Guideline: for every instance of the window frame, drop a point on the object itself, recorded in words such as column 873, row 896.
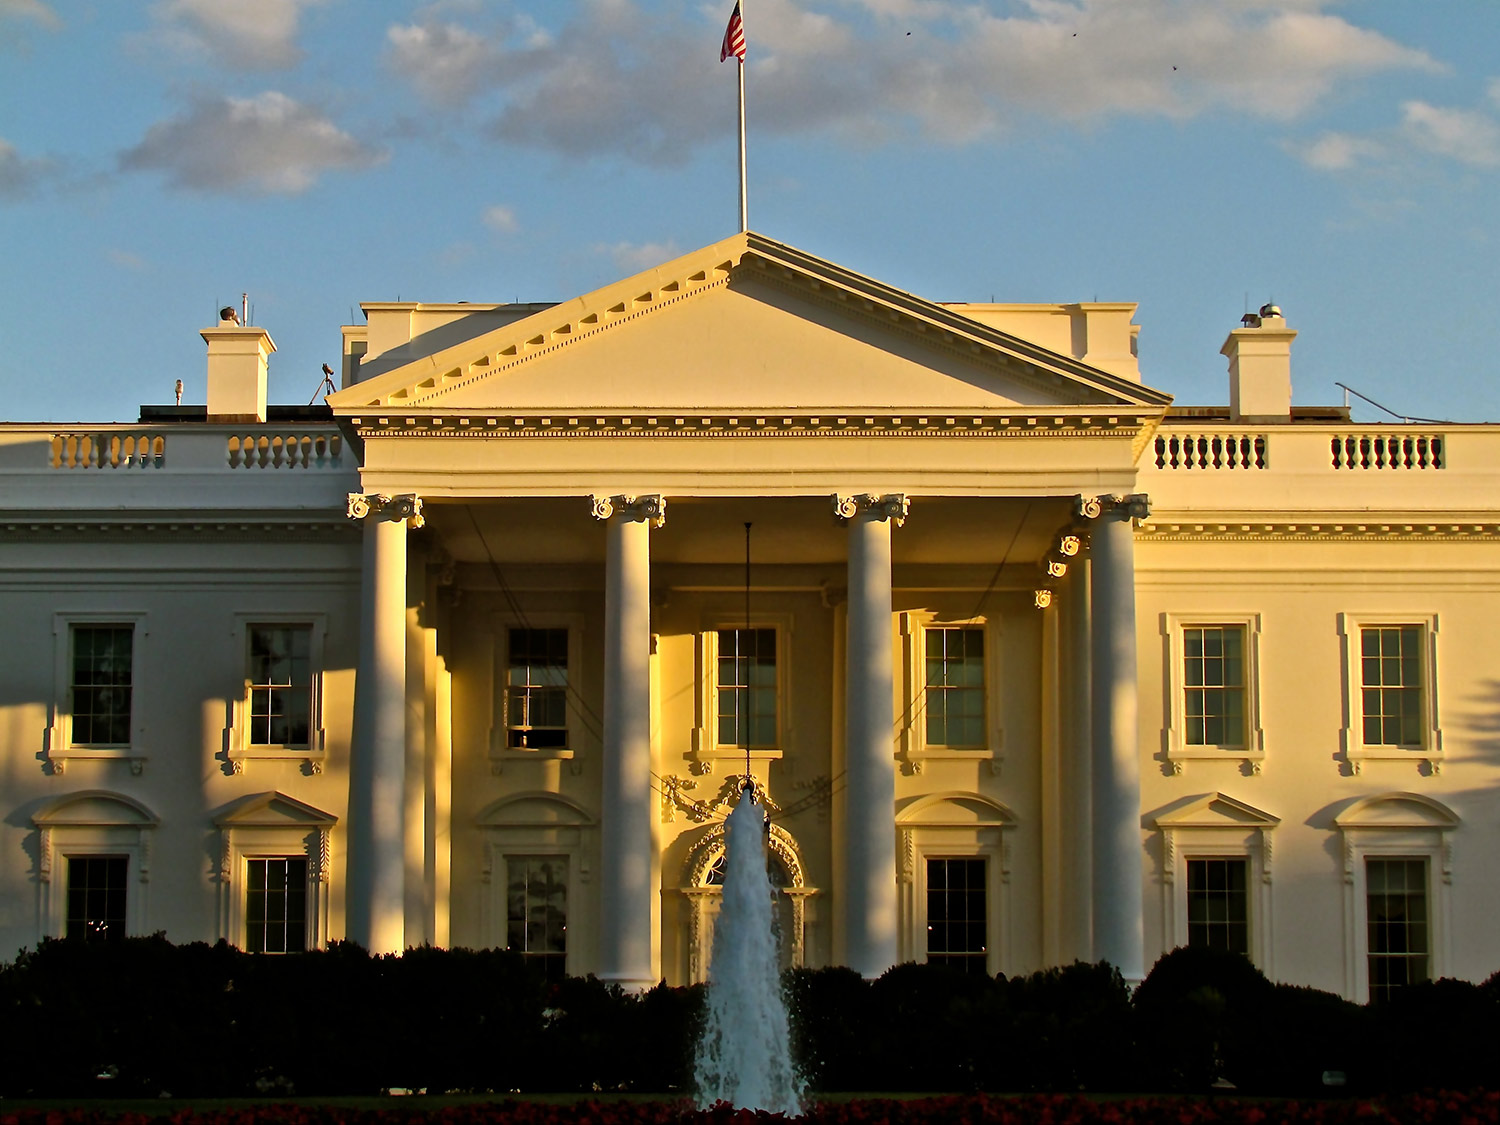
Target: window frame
column 498, row 647
column 1429, row 754
column 912, row 745
column 954, row 825
column 930, row 857
column 1426, row 865
column 1395, row 826
column 92, row 822
column 60, row 748
column 1178, row 750
column 1218, row 826
column 568, row 884
column 271, row 825
column 241, row 748
column 704, row 745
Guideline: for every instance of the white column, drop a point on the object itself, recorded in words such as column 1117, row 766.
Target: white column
column 376, row 880
column 1116, row 782
column 870, row 938
column 1077, row 799
column 626, row 842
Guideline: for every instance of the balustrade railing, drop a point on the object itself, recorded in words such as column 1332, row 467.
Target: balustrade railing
column 285, row 451
column 108, row 451
column 1387, row 451
column 1210, row 451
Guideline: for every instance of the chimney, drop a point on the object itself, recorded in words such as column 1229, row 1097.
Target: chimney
column 1260, row 368
column 236, row 369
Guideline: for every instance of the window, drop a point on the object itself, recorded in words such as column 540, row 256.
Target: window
column 276, row 905
column 280, row 678
column 957, row 914
column 1213, row 679
column 743, row 676
column 1390, row 693
column 100, row 686
column 96, row 897
column 1212, row 675
column 1398, row 852
column 950, row 690
column 953, row 696
column 97, row 701
column 279, row 710
column 1218, row 909
column 536, row 689
column 746, row 682
column 537, row 912
column 1391, row 681
column 1396, row 918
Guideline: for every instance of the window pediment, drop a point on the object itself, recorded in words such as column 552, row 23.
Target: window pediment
column 95, row 808
column 272, row 809
column 1215, row 810
column 1397, row 810
column 536, row 809
column 955, row 810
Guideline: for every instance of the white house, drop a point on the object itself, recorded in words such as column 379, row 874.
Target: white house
column 1028, row 663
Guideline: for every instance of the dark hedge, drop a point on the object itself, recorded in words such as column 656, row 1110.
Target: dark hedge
column 142, row 1017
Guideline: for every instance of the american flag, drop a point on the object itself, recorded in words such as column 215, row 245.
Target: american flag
column 734, row 36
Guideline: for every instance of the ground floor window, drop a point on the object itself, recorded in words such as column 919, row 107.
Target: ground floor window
column 96, row 897
column 536, row 913
column 1218, row 905
column 1396, row 916
column 276, row 905
column 957, row 905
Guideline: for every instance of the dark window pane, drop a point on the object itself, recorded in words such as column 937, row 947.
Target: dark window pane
column 101, row 684
column 280, row 676
column 957, row 914
column 1396, row 923
column 96, row 897
column 536, row 906
column 276, row 905
column 1218, row 904
column 747, row 683
column 536, row 693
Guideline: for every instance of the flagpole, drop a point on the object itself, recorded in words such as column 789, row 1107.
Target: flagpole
column 744, row 203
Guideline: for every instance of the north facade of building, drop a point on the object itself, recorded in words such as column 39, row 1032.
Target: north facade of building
column 1027, row 664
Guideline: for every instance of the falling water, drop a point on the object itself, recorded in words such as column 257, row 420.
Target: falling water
column 744, row 1056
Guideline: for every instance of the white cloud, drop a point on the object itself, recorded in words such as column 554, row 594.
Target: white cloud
column 32, row 10
column 1336, row 152
column 1468, row 136
column 446, row 63
column 647, row 85
column 21, row 176
column 258, row 36
column 500, row 219
column 630, row 257
column 266, row 145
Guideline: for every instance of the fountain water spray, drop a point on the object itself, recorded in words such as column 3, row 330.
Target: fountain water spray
column 744, row 1057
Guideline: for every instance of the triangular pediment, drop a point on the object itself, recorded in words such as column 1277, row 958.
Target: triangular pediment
column 745, row 325
column 272, row 810
column 1397, row 810
column 1215, row 810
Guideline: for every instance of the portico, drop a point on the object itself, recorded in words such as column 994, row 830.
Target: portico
column 912, row 479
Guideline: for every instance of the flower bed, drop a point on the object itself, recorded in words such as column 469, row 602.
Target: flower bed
column 1446, row 1108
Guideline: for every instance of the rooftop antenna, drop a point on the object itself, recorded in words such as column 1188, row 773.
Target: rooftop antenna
column 244, row 308
column 1348, row 390
column 179, row 392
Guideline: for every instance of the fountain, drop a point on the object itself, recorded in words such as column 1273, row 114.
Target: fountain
column 744, row 1055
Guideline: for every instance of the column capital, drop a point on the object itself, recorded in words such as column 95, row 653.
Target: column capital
column 652, row 508
column 893, row 506
column 1137, row 505
column 406, row 507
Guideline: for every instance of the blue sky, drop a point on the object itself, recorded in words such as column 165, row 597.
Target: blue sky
column 159, row 157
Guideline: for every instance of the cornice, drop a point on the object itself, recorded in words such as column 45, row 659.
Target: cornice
column 1070, row 423
column 275, row 527
column 1317, row 529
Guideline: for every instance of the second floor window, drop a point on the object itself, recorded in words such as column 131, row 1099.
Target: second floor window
column 955, row 687
column 101, row 684
column 746, row 679
column 1391, row 682
column 536, row 689
column 1214, row 685
column 280, row 677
